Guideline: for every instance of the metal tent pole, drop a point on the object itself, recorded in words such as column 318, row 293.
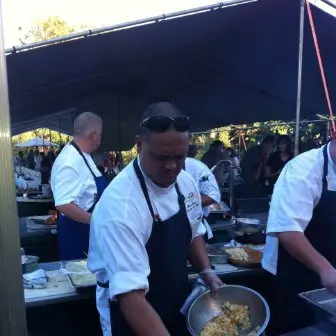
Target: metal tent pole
column 12, row 307
column 299, row 81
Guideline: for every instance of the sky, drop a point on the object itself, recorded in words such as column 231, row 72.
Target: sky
column 95, row 13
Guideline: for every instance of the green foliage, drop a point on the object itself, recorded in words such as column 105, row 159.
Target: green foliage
column 50, row 28
column 254, row 133
column 129, row 155
column 42, row 133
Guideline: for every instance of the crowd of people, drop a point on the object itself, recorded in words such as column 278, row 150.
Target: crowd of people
column 259, row 167
column 112, row 165
column 38, row 161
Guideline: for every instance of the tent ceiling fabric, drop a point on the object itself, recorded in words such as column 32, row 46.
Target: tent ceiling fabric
column 228, row 66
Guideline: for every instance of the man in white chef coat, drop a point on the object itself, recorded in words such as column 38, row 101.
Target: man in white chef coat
column 145, row 227
column 300, row 248
column 77, row 185
column 207, row 186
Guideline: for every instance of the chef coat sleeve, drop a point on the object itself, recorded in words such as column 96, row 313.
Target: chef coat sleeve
column 208, row 185
column 295, row 195
column 123, row 246
column 67, row 185
column 195, row 215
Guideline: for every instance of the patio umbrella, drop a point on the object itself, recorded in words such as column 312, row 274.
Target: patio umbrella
column 36, row 142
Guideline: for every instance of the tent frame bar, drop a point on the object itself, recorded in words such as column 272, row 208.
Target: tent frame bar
column 299, row 79
column 107, row 29
column 235, row 128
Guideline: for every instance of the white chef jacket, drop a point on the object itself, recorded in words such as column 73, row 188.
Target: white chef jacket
column 121, row 226
column 296, row 193
column 71, row 179
column 205, row 180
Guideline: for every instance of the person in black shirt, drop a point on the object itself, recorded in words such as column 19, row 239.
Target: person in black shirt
column 215, row 153
column 254, row 161
column 45, row 169
column 277, row 160
column 192, row 152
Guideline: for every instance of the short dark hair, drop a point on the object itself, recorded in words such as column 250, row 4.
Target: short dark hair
column 288, row 142
column 216, row 144
column 232, row 151
column 192, row 151
column 159, row 109
column 269, row 139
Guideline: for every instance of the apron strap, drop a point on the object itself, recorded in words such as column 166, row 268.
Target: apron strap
column 139, row 175
column 180, row 197
column 84, row 158
column 143, row 187
column 325, row 167
column 103, row 284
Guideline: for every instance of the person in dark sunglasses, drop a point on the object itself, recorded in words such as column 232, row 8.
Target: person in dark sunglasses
column 148, row 224
column 163, row 142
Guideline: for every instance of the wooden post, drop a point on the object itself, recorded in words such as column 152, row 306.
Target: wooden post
column 12, row 306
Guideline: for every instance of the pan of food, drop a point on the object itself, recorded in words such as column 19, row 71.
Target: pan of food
column 79, row 276
column 249, row 225
column 244, row 257
column 236, row 311
column 217, row 254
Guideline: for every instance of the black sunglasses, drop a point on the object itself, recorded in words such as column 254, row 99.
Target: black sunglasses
column 161, row 124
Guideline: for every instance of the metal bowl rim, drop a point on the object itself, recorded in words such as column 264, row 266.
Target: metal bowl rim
column 267, row 318
column 248, row 221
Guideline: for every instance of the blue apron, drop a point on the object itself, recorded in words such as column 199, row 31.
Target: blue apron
column 289, row 311
column 167, row 250
column 73, row 237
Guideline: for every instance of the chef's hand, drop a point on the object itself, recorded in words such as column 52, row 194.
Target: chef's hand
column 328, row 279
column 211, row 279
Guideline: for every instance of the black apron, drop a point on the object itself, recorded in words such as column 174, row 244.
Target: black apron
column 167, row 250
column 288, row 310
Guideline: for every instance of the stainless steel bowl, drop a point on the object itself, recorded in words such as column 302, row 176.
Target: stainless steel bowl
column 249, row 225
column 205, row 308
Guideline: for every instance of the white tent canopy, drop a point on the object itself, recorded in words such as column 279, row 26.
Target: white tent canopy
column 36, row 142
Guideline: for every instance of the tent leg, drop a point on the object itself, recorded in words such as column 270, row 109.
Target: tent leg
column 12, row 307
column 299, row 83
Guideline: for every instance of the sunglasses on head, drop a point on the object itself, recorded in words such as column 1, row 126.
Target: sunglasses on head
column 161, row 124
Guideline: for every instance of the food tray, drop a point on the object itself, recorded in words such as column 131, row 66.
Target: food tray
column 322, row 299
column 254, row 259
column 82, row 289
column 220, row 208
column 75, row 270
column 217, row 254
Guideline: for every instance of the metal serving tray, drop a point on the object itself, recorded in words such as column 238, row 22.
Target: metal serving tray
column 322, row 299
column 71, row 275
column 84, row 288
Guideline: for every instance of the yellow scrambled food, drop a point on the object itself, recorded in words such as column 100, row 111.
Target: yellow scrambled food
column 79, row 273
column 238, row 253
column 83, row 279
column 234, row 319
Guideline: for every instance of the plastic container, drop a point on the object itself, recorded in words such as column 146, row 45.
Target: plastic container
column 23, row 256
